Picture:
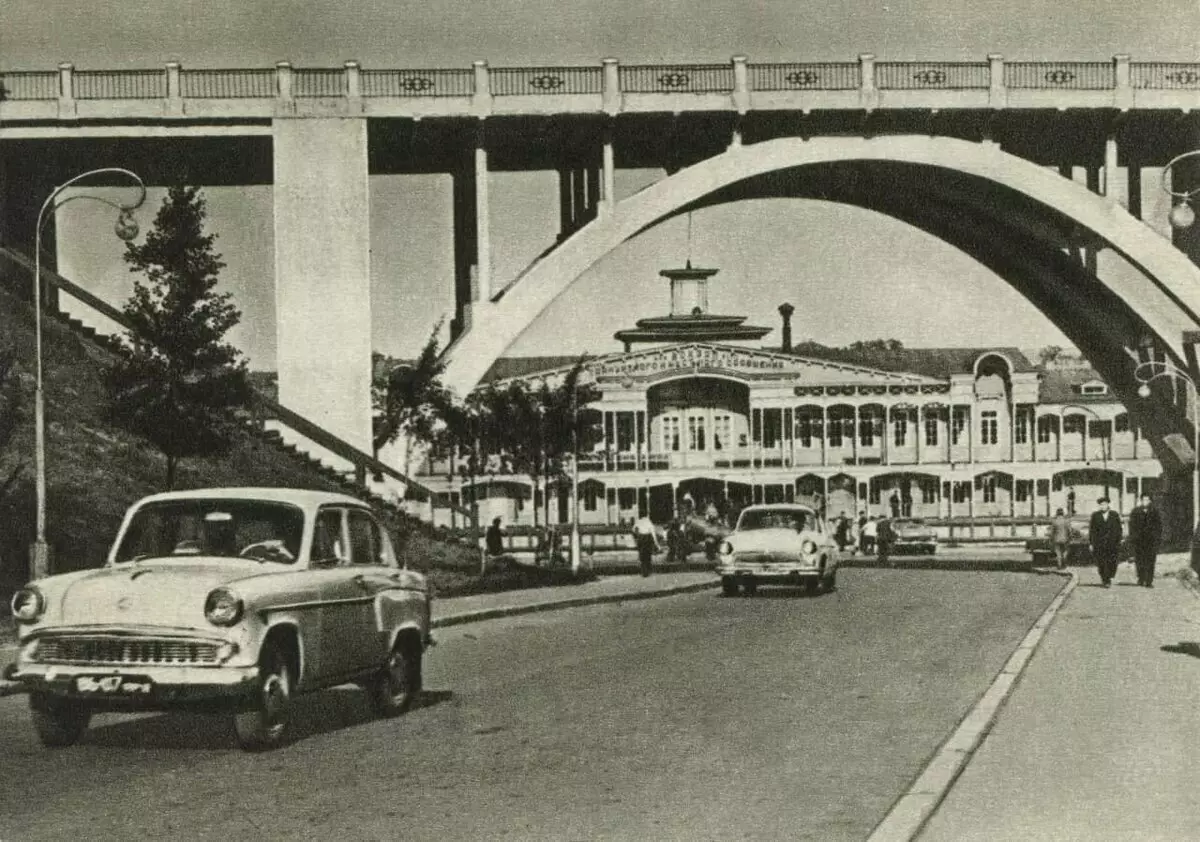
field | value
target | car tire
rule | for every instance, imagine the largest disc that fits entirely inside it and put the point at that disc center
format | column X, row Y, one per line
column 396, row 687
column 831, row 581
column 263, row 723
column 59, row 722
column 749, row 587
column 729, row 586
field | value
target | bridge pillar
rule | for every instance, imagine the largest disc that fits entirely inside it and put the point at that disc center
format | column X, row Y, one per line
column 26, row 179
column 465, row 246
column 323, row 273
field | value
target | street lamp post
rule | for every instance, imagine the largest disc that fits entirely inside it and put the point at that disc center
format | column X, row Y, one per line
column 1145, row 372
column 126, row 228
column 1182, row 214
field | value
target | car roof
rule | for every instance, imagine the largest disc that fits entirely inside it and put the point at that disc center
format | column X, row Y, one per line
column 779, row 507
column 303, row 497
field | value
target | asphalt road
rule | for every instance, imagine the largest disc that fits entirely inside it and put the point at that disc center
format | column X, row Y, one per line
column 691, row 718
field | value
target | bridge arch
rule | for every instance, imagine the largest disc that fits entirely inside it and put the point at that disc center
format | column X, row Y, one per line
column 1161, row 301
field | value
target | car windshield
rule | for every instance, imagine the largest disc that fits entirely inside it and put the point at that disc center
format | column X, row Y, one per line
column 256, row 529
column 775, row 519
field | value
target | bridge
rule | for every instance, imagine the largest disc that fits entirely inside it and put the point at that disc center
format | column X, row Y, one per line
column 1037, row 169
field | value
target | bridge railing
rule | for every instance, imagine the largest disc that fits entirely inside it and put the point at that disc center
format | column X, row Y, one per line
column 174, row 82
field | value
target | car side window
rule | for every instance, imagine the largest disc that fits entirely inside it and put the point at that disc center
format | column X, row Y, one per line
column 329, row 547
column 364, row 539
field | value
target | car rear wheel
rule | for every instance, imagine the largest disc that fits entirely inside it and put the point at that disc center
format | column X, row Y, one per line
column 729, row 586
column 263, row 724
column 59, row 722
column 749, row 587
column 398, row 684
column 831, row 580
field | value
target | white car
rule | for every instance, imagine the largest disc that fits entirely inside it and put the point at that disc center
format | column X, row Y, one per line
column 778, row 544
column 239, row 597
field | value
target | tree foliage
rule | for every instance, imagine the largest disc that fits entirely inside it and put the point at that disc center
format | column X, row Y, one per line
column 177, row 376
column 11, row 412
column 409, row 398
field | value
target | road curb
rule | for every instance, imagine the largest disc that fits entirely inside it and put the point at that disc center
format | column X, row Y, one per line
column 571, row 602
column 912, row 811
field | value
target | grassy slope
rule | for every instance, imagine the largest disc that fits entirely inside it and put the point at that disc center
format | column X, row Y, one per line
column 94, row 472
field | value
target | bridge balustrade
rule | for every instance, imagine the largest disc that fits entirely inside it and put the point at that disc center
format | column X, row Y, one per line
column 252, row 83
column 228, row 84
column 120, row 84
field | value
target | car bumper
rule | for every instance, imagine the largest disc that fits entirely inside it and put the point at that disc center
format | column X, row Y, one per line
column 769, row 572
column 140, row 687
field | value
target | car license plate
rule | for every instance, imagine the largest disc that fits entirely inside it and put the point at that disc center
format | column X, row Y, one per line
column 113, row 685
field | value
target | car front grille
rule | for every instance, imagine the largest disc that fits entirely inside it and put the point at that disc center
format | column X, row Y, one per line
column 766, row 558
column 111, row 650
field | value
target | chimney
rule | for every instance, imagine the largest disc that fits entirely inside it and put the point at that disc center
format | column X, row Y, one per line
column 786, row 311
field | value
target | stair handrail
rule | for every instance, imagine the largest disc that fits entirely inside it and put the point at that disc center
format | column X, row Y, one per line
column 363, row 462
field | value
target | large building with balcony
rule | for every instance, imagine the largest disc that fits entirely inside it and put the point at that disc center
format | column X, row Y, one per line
column 696, row 412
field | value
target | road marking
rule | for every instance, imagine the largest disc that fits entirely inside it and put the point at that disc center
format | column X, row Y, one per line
column 909, row 815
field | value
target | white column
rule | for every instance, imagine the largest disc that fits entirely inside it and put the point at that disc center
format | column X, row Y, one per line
column 824, row 435
column 920, row 432
column 323, row 273
column 1111, row 182
column 483, row 239
column 1059, row 436
column 608, row 196
column 886, row 450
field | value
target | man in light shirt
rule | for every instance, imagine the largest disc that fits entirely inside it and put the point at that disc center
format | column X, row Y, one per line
column 646, row 536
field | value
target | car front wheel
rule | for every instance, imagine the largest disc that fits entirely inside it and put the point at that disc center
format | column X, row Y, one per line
column 398, row 684
column 59, row 722
column 263, row 724
column 729, row 586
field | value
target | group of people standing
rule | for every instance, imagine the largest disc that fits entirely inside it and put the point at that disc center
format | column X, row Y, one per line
column 1105, row 536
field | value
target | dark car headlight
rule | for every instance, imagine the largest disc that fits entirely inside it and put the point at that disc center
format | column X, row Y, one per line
column 28, row 605
column 726, row 548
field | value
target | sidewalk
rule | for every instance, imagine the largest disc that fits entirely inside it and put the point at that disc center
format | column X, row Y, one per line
column 1100, row 738
column 472, row 609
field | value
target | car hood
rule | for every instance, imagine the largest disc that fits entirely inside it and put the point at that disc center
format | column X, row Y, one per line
column 168, row 593
column 913, row 529
column 765, row 540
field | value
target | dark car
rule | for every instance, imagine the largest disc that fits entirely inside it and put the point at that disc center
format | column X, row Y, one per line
column 1079, row 549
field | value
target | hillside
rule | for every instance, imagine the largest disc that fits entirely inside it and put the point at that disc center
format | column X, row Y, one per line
column 94, row 471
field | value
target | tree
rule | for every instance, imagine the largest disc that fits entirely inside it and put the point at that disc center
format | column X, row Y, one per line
column 568, row 428
column 11, row 412
column 409, row 399
column 177, row 377
column 1050, row 354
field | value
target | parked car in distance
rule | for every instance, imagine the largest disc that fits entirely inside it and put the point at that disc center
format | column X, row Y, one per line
column 234, row 598
column 1079, row 550
column 914, row 534
column 778, row 544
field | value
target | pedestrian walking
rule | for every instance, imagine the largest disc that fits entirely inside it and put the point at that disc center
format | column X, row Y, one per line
column 894, row 504
column 869, row 535
column 1145, row 534
column 494, row 540
column 841, row 533
column 645, row 535
column 885, row 536
column 1060, row 537
column 1071, row 501
column 1104, row 534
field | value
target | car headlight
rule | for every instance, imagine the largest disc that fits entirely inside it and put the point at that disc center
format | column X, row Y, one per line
column 223, row 607
column 726, row 548
column 808, row 547
column 28, row 605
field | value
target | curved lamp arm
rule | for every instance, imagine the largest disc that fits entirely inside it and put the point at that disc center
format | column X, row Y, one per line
column 1181, row 215
column 126, row 227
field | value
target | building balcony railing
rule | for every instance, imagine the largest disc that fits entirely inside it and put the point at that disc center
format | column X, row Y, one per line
column 883, row 84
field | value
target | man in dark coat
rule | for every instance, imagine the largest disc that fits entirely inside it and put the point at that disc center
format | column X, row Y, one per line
column 1145, row 534
column 1104, row 534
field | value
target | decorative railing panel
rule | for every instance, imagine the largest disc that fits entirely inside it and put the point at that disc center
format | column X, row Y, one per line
column 402, row 83
column 319, row 83
column 1067, row 75
column 677, row 79
column 896, row 75
column 515, row 81
column 27, row 86
column 1165, row 76
column 228, row 84
column 828, row 76
column 120, row 84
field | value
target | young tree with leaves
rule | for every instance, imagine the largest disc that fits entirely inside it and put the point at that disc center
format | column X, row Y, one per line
column 409, row 399
column 177, row 376
column 10, row 413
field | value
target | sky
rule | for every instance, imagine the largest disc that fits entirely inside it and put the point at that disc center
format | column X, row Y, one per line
column 835, row 264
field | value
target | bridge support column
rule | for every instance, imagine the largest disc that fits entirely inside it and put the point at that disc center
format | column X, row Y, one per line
column 323, row 273
column 608, row 198
column 483, row 243
column 25, row 182
column 465, row 247
column 578, row 197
